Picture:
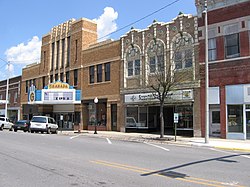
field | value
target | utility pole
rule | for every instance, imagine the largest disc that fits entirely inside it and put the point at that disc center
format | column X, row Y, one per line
column 206, row 77
column 7, row 90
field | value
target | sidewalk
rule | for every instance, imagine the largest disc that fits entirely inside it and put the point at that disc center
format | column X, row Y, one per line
column 240, row 145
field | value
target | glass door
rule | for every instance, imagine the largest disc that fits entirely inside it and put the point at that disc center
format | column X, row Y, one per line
column 248, row 124
column 114, row 117
column 214, row 122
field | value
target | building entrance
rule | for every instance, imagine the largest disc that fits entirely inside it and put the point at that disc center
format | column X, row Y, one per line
column 65, row 121
column 248, row 124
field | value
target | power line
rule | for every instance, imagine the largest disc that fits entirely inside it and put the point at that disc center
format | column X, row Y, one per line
column 130, row 24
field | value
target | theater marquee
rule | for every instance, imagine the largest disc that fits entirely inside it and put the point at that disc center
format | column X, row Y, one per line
column 55, row 93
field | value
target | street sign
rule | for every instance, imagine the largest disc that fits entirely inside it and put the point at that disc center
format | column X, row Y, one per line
column 176, row 117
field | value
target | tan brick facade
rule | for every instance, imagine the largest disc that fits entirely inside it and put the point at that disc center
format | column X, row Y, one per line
column 108, row 92
column 60, row 61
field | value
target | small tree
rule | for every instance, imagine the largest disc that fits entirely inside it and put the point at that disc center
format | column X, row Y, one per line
column 163, row 74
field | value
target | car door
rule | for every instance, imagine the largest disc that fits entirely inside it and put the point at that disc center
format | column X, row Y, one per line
column 8, row 123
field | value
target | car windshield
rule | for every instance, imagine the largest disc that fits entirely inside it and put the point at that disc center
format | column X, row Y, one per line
column 20, row 122
column 39, row 119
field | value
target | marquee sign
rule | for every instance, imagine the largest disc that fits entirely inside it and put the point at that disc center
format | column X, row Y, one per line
column 62, row 96
column 55, row 93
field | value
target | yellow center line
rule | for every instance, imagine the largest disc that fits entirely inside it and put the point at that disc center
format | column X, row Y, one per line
column 146, row 171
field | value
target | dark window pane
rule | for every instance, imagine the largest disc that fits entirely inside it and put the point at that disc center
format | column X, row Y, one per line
column 99, row 73
column 91, row 74
column 137, row 67
column 107, row 72
column 130, row 68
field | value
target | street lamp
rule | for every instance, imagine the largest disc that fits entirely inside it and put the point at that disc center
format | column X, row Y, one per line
column 206, row 77
column 95, row 101
column 7, row 91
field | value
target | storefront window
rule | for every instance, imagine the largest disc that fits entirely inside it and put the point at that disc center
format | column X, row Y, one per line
column 143, row 116
column 92, row 114
column 235, row 118
column 136, row 117
column 132, row 117
column 185, row 116
column 153, row 116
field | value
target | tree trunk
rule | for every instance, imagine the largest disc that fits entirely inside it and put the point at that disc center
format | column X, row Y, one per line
column 161, row 121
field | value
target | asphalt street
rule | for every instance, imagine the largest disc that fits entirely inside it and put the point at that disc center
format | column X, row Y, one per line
column 61, row 160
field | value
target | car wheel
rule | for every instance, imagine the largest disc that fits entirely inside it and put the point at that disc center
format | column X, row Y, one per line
column 24, row 131
column 48, row 131
column 56, row 131
column 15, row 130
column 1, row 128
column 32, row 131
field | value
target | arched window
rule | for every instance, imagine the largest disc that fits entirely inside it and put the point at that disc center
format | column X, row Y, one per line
column 133, row 61
column 183, row 51
column 155, row 53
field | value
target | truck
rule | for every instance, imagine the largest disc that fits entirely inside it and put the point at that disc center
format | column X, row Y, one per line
column 5, row 123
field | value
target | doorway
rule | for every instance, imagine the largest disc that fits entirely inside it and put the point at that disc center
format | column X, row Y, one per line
column 214, row 122
column 113, row 117
column 248, row 124
column 64, row 120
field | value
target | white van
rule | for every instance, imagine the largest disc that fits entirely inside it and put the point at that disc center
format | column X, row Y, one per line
column 43, row 124
column 5, row 123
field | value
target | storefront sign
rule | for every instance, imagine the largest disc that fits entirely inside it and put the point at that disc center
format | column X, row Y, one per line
column 178, row 95
column 58, row 85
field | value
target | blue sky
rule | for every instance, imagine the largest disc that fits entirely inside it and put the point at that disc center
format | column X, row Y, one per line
column 24, row 22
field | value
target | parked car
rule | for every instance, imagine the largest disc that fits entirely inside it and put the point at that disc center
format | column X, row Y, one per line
column 23, row 125
column 131, row 122
column 5, row 123
column 43, row 124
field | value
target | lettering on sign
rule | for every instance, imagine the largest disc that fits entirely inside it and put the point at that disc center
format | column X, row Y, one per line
column 58, row 85
column 58, row 96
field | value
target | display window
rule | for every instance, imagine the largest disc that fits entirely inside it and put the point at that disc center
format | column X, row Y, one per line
column 185, row 113
column 235, row 118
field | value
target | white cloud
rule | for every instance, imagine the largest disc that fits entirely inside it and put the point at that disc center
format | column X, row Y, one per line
column 21, row 55
column 25, row 53
column 106, row 22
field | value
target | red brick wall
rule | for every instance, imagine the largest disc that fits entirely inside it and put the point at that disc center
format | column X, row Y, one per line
column 220, row 48
column 244, row 43
column 226, row 13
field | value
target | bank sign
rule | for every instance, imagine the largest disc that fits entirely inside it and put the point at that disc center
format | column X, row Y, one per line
column 178, row 95
column 55, row 93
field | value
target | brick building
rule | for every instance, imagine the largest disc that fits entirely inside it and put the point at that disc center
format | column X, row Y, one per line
column 101, row 79
column 148, row 52
column 14, row 111
column 229, row 64
column 53, row 86
column 74, row 69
